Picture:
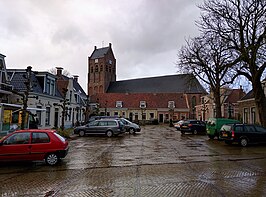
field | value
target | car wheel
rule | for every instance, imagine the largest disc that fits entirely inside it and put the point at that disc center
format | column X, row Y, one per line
column 182, row 132
column 211, row 137
column 243, row 142
column 109, row 133
column 81, row 133
column 131, row 131
column 51, row 159
column 195, row 132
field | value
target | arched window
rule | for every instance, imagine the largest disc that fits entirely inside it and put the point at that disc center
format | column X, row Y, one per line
column 96, row 68
column 92, row 69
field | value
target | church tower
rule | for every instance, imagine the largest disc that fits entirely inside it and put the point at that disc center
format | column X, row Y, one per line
column 101, row 70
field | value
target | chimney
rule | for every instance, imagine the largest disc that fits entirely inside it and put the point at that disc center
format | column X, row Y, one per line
column 95, row 47
column 110, row 45
column 59, row 71
column 75, row 78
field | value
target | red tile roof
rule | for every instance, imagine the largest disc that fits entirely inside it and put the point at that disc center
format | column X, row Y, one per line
column 132, row 100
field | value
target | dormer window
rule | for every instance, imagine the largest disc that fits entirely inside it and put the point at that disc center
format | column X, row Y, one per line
column 96, row 60
column 171, row 104
column 119, row 104
column 50, row 86
column 142, row 104
column 110, row 61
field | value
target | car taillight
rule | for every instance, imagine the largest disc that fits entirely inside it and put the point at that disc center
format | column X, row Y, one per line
column 190, row 125
column 233, row 134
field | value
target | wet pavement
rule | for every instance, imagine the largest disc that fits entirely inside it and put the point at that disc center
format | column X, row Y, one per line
column 159, row 161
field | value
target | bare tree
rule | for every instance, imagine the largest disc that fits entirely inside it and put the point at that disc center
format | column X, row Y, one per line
column 207, row 58
column 242, row 24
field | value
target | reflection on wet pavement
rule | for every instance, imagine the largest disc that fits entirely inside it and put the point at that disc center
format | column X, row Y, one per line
column 159, row 161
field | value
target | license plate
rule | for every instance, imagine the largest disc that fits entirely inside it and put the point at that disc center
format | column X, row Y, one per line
column 184, row 126
column 224, row 134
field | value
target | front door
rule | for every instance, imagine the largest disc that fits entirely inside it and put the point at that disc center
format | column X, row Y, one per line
column 56, row 115
column 160, row 117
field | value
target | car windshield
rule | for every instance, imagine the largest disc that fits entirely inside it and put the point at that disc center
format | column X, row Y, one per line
column 60, row 137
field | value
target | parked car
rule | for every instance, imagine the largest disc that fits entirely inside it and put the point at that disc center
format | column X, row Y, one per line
column 178, row 124
column 33, row 145
column 107, row 127
column 193, row 126
column 214, row 125
column 243, row 134
column 130, row 127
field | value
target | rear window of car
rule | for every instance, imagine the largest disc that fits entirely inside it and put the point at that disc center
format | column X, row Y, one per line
column 60, row 137
column 39, row 137
column 226, row 128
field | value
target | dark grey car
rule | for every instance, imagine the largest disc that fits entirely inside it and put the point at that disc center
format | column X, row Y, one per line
column 105, row 127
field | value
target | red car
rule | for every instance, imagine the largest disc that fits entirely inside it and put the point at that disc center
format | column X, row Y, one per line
column 33, row 145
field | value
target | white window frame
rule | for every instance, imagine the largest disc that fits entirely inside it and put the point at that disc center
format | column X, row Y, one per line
column 142, row 104
column 171, row 104
column 119, row 104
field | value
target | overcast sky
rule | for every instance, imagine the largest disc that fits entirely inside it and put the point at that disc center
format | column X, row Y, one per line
column 145, row 34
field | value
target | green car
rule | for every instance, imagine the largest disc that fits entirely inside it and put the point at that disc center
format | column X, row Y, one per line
column 215, row 124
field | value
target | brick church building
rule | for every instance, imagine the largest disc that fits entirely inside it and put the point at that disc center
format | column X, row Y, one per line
column 162, row 98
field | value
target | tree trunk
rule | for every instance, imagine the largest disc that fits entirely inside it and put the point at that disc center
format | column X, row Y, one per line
column 260, row 101
column 217, row 101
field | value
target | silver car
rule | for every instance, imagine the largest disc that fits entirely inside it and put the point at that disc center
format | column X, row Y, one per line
column 130, row 127
column 107, row 127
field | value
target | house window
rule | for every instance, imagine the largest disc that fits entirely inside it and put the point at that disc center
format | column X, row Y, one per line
column 91, row 69
column 96, row 60
column 253, row 115
column 115, row 113
column 50, row 86
column 70, row 96
column 69, row 114
column 47, row 116
column 246, row 113
column 119, row 104
column 101, row 68
column 96, row 68
column 39, row 116
column 142, row 104
column 151, row 115
column 143, row 116
column 171, row 104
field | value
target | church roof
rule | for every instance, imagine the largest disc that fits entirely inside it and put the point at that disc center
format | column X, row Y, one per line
column 98, row 53
column 180, row 83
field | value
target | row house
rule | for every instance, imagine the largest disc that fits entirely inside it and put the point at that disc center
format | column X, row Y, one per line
column 162, row 98
column 247, row 107
column 47, row 96
column 229, row 104
column 45, row 100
